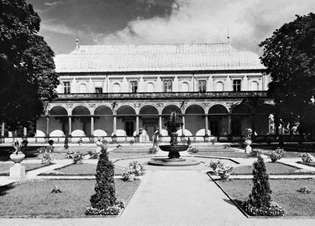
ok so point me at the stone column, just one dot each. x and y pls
(183, 120)
(2, 129)
(160, 123)
(137, 125)
(206, 124)
(92, 126)
(70, 125)
(229, 119)
(47, 126)
(114, 124)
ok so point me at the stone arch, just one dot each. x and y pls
(149, 119)
(126, 120)
(58, 122)
(166, 112)
(218, 120)
(81, 122)
(103, 121)
(194, 118)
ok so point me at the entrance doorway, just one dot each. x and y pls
(129, 128)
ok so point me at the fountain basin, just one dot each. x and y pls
(165, 161)
(173, 148)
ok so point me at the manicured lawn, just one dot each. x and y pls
(272, 168)
(35, 198)
(228, 154)
(283, 192)
(5, 167)
(118, 155)
(83, 169)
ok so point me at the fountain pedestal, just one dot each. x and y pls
(173, 149)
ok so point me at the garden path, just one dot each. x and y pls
(179, 197)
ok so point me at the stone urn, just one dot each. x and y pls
(17, 157)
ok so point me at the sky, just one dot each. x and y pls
(246, 22)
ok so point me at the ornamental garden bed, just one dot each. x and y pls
(5, 167)
(275, 168)
(284, 192)
(79, 169)
(34, 198)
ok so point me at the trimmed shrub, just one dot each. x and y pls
(259, 202)
(276, 154)
(104, 201)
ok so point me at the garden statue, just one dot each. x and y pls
(271, 123)
(248, 141)
(17, 171)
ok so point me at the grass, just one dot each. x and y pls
(5, 167)
(33, 199)
(284, 192)
(228, 154)
(272, 168)
(83, 169)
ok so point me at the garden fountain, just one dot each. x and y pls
(173, 149)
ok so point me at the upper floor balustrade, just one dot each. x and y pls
(164, 95)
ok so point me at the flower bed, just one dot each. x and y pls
(284, 192)
(34, 199)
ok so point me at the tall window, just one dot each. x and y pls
(202, 86)
(98, 90)
(66, 87)
(134, 86)
(237, 85)
(167, 85)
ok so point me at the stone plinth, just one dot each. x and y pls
(17, 171)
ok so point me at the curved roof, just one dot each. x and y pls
(156, 57)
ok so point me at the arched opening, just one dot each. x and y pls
(194, 118)
(218, 121)
(184, 87)
(126, 121)
(219, 86)
(58, 122)
(116, 87)
(149, 120)
(103, 121)
(150, 87)
(81, 122)
(254, 86)
(83, 88)
(241, 119)
(167, 112)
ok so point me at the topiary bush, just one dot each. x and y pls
(259, 202)
(104, 201)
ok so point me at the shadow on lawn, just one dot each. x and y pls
(5, 188)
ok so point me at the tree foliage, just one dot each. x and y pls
(261, 192)
(104, 196)
(27, 73)
(289, 55)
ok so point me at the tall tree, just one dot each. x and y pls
(27, 74)
(289, 55)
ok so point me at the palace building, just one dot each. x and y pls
(127, 92)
